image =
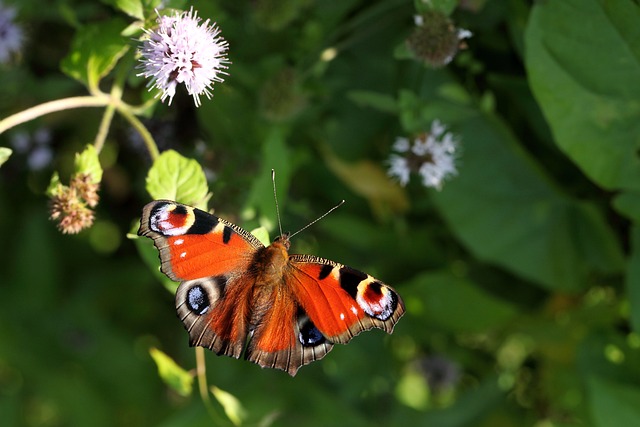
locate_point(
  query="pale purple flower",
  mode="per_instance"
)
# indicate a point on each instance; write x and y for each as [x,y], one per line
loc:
[431,155]
[11,35]
[184,50]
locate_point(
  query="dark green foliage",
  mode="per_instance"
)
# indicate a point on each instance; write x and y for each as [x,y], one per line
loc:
[520,276]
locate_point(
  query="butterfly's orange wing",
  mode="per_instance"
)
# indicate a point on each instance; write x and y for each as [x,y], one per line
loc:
[330,303]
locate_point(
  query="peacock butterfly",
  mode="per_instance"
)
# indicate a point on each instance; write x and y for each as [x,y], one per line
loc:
[284,311]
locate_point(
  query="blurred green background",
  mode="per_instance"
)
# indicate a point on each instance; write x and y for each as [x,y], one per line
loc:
[520,276]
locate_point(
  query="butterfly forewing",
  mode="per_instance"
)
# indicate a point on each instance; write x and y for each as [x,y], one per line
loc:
[194,244]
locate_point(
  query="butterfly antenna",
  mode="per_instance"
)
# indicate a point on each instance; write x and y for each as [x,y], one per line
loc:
[275,196]
[319,218]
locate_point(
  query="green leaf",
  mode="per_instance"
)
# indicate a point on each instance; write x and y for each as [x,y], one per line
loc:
[632,280]
[262,234]
[627,203]
[469,409]
[175,177]
[507,212]
[4,154]
[55,186]
[583,62]
[276,156]
[87,162]
[444,299]
[613,403]
[173,375]
[149,254]
[132,8]
[375,100]
[95,50]
[231,405]
[445,6]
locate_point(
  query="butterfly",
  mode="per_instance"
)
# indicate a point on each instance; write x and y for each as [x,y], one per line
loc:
[238,297]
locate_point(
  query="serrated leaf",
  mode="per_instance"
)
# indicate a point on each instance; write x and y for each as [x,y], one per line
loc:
[95,50]
[171,373]
[88,163]
[132,8]
[231,405]
[175,177]
[5,153]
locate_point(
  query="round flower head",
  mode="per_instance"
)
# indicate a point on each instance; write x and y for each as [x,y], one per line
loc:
[11,36]
[184,50]
[435,39]
[430,154]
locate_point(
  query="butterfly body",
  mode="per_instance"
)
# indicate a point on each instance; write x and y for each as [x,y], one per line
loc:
[237,296]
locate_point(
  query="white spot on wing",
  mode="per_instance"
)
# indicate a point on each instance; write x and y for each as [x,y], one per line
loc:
[341,316]
[178,242]
[183,254]
[354,310]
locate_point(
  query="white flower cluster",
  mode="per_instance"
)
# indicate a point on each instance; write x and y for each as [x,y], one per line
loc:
[431,155]
[184,50]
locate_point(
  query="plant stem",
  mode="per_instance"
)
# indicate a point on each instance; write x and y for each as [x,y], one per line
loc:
[52,107]
[201,374]
[124,110]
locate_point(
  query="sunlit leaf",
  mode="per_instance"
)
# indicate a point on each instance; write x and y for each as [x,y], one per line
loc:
[173,375]
[231,405]
[262,234]
[87,162]
[132,8]
[4,154]
[175,177]
[95,51]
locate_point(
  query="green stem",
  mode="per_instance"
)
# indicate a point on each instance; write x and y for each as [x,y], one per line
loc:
[201,373]
[107,118]
[52,107]
[124,110]
[116,99]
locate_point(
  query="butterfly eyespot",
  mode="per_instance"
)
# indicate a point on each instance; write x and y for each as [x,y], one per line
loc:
[376,300]
[198,300]
[309,335]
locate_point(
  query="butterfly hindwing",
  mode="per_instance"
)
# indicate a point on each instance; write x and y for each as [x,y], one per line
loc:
[210,256]
[215,312]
